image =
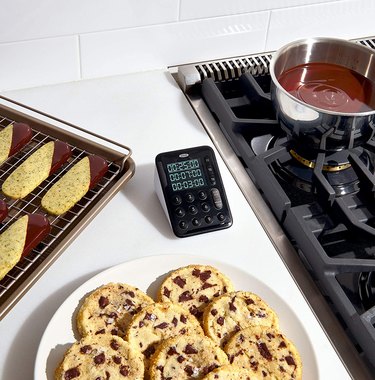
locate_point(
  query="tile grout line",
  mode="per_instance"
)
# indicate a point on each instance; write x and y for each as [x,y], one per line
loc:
[79,56]
[179,10]
[267,30]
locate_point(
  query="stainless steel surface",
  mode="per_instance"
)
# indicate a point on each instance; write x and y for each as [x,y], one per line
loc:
[337,336]
[327,127]
[189,75]
[66,227]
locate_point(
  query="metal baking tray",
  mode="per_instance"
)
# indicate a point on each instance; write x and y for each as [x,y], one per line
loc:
[66,227]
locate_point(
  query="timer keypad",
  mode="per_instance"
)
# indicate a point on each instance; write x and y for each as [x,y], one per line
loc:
[194,194]
[199,209]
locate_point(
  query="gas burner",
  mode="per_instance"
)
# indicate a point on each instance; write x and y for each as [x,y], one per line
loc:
[366,285]
[310,163]
[337,169]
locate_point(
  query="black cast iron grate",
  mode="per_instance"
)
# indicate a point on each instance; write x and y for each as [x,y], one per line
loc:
[329,216]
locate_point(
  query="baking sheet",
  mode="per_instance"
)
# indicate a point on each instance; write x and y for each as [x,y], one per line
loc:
[66,227]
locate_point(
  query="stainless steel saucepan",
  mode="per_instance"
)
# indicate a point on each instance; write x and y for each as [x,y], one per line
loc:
[323,128]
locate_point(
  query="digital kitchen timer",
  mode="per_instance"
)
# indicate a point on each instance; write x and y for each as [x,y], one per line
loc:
[190,189]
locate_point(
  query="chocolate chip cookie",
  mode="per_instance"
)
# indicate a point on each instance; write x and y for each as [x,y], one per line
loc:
[157,322]
[265,351]
[101,357]
[232,312]
[110,308]
[186,357]
[193,287]
[230,372]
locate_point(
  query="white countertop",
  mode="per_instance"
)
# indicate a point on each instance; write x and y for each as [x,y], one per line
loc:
[147,112]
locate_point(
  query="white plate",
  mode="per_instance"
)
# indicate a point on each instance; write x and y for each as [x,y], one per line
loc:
[147,273]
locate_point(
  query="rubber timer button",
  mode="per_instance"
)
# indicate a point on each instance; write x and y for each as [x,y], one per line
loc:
[180,212]
[195,222]
[205,207]
[176,200]
[202,195]
[183,225]
[218,202]
[193,210]
[189,197]
[208,219]
[221,217]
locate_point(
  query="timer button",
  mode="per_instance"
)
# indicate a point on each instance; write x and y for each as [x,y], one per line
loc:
[221,217]
[189,197]
[180,212]
[217,198]
[195,222]
[183,225]
[208,219]
[202,195]
[176,200]
[193,210]
[205,207]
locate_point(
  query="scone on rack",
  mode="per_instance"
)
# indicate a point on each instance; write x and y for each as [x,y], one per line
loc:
[232,312]
[157,322]
[186,357]
[231,372]
[74,184]
[194,287]
[101,357]
[13,138]
[36,168]
[265,351]
[110,308]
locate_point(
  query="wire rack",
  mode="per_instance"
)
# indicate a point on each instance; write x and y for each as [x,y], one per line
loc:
[63,227]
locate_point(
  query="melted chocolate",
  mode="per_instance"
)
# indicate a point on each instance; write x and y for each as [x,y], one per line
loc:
[61,154]
[3,210]
[330,86]
[38,228]
[22,134]
[98,168]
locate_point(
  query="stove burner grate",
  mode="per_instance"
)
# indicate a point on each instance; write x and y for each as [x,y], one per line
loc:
[329,215]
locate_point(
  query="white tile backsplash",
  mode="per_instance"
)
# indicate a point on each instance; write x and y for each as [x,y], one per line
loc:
[31,19]
[346,19]
[195,9]
[44,42]
[39,62]
[153,47]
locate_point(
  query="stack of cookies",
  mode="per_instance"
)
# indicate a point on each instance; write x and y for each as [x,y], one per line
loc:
[198,328]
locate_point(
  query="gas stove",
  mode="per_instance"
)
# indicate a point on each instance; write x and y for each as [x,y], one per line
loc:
[317,207]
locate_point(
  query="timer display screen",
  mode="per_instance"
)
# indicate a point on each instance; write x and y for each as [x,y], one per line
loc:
[185,175]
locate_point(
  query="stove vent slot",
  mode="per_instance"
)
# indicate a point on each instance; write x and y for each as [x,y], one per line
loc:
[234,68]
[369,43]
